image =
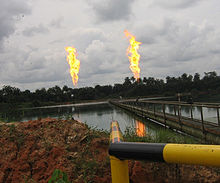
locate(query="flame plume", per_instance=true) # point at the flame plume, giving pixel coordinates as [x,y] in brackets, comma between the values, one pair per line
[74,64]
[140,129]
[133,55]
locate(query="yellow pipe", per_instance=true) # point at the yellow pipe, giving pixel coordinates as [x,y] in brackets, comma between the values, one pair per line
[116,135]
[192,154]
[119,170]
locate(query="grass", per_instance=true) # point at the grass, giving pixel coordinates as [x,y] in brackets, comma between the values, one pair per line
[165,136]
[160,136]
[59,177]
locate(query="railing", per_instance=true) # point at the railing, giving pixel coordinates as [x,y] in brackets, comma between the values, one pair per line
[199,128]
[177,108]
[120,152]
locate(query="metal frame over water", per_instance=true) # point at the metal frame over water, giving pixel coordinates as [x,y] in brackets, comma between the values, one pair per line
[200,128]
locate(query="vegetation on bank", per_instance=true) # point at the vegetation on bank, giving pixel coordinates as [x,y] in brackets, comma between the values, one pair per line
[159,136]
[208,85]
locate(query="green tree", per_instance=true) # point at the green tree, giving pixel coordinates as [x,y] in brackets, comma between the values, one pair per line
[11,94]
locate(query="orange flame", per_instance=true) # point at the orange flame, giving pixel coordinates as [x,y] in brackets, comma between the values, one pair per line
[74,64]
[133,55]
[140,129]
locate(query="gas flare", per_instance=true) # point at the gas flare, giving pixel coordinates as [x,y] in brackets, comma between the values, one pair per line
[140,129]
[133,55]
[74,64]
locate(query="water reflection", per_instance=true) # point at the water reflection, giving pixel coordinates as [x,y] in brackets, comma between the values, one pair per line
[101,115]
[140,128]
[98,116]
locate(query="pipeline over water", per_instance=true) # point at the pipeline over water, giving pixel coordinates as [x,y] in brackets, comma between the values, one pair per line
[208,131]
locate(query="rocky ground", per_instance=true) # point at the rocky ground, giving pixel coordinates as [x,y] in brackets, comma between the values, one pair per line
[31,151]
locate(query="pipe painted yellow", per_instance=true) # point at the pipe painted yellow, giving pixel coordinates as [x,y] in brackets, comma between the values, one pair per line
[115,134]
[192,154]
[119,170]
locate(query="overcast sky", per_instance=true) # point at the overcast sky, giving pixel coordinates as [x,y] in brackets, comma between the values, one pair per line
[178,36]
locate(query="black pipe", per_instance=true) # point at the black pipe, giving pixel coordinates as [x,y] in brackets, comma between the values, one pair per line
[137,151]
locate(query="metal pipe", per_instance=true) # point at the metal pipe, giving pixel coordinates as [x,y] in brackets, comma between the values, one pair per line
[154,111]
[119,168]
[137,151]
[203,128]
[191,112]
[179,117]
[175,109]
[195,104]
[164,115]
[208,155]
[218,116]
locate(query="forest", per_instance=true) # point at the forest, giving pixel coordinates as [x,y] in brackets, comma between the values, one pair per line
[209,84]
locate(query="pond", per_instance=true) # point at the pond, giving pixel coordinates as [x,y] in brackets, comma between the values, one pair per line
[96,115]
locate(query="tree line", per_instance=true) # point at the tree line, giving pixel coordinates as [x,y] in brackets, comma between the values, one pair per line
[209,83]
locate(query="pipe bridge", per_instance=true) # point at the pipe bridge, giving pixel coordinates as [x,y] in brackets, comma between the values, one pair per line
[156,112]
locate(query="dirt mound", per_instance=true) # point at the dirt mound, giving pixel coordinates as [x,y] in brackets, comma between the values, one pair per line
[151,172]
[31,151]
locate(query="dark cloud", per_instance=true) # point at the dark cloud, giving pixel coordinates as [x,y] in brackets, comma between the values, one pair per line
[32,67]
[11,12]
[31,31]
[176,4]
[178,47]
[112,10]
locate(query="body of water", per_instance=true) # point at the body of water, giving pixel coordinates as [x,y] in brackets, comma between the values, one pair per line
[96,115]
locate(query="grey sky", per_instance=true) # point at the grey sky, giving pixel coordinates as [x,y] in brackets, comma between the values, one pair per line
[177,36]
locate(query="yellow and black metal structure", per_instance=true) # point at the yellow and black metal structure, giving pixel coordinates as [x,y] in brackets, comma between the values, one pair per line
[119,168]
[120,152]
[115,135]
[208,155]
